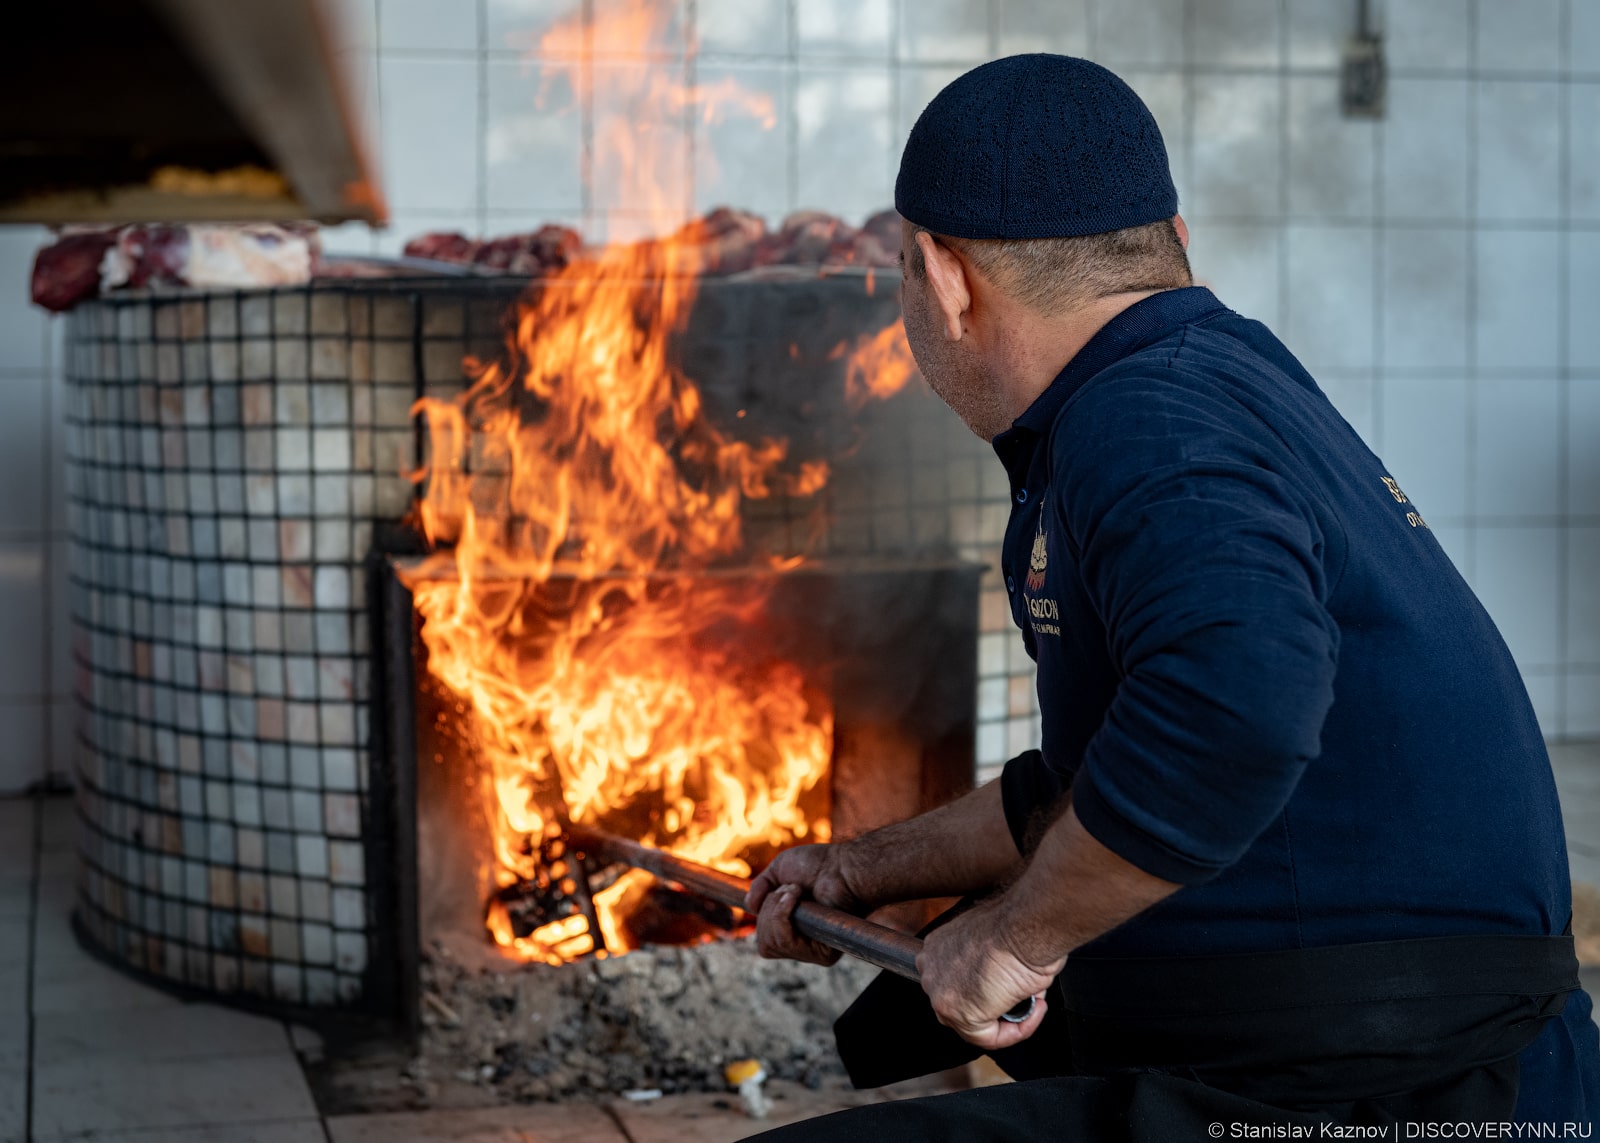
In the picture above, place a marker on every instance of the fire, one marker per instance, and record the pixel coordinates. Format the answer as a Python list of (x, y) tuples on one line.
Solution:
[(587, 500), (879, 365)]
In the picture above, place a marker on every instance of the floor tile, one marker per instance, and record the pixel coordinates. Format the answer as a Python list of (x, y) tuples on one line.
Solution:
[(58, 823), (16, 839), (14, 933), (16, 895), (705, 1118), (16, 819), (13, 1104), (13, 991), (54, 938), (296, 1131), (80, 984), (180, 1032), (570, 1123), (13, 1034), (16, 848), (85, 1095), (58, 864)]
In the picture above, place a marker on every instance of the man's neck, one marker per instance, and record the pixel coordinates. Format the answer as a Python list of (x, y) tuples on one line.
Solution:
[(1043, 346)]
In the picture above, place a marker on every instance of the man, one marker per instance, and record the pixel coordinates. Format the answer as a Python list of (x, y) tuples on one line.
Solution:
[(1291, 847)]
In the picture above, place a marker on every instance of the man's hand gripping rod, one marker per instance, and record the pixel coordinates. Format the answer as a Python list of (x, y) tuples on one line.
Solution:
[(862, 939)]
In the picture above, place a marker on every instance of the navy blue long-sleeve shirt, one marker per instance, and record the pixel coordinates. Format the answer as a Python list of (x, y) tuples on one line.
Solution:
[(1260, 674)]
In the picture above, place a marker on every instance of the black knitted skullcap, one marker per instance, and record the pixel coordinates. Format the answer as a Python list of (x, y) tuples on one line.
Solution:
[(1035, 146)]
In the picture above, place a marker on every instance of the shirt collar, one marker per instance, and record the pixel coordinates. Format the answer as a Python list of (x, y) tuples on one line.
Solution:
[(1147, 320)]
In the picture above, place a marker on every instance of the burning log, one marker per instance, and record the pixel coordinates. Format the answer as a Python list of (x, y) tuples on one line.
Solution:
[(559, 889)]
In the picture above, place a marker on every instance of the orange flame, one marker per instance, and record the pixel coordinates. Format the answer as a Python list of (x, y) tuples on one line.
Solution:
[(879, 365), (586, 493)]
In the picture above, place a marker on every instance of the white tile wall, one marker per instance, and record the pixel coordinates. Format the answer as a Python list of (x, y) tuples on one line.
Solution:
[(533, 139), (1517, 575), (1238, 33), (1138, 32), (1426, 173), (1331, 158), (1317, 33), (1519, 150), (1583, 457), (1429, 33), (431, 136), (1515, 472), (1523, 36), (1438, 268), (1330, 284), (1425, 272), (429, 25), (861, 29), (744, 27), (1582, 700), (1583, 597), (842, 121), (946, 30), (1517, 312), (32, 516), (1043, 26), (1237, 145), (739, 160), (1242, 263), (1425, 444), (1583, 300)]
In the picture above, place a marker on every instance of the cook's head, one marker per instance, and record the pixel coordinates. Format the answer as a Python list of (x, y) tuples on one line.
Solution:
[(1036, 184)]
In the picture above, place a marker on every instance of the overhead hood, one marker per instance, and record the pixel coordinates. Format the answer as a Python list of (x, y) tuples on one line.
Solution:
[(179, 110)]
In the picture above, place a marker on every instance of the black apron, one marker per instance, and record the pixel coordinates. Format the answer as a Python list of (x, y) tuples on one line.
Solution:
[(1160, 1048)]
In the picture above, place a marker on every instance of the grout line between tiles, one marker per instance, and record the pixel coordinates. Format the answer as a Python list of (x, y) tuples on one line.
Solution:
[(481, 143), (1380, 265), (1469, 494), (1564, 387), (37, 862)]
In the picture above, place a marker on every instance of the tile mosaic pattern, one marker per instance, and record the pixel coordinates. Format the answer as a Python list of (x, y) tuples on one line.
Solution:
[(227, 458)]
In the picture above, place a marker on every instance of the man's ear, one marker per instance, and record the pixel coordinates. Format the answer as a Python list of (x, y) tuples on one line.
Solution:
[(1182, 228), (947, 277)]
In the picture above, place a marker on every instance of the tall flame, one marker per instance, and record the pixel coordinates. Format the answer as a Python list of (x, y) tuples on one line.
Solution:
[(582, 485)]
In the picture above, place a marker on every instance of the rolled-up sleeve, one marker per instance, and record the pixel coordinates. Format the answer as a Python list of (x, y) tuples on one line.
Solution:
[(1205, 563)]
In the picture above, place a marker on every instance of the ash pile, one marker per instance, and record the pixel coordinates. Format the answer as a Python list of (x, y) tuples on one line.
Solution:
[(665, 1018)]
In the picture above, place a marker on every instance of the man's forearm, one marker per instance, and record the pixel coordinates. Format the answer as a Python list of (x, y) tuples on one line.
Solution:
[(960, 848), (1074, 890)]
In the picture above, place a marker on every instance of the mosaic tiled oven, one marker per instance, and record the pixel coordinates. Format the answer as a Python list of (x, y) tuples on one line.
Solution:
[(237, 485)]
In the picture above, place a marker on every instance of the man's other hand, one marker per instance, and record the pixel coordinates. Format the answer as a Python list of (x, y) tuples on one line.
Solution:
[(971, 978), (805, 873)]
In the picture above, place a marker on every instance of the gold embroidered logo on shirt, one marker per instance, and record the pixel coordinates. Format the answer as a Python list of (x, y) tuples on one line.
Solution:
[(1037, 562), (1041, 611), (1412, 518)]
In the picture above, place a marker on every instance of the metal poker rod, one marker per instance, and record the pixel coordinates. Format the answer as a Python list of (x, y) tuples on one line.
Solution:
[(892, 951)]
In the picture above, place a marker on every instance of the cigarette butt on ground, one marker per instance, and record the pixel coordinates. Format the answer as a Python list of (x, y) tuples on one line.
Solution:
[(747, 1076)]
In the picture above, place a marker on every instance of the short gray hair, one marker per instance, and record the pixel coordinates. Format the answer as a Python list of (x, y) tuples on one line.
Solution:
[(1050, 274)]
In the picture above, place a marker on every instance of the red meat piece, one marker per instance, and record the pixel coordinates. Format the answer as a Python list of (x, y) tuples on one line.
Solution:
[(68, 270)]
